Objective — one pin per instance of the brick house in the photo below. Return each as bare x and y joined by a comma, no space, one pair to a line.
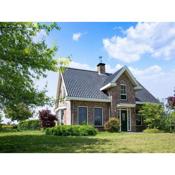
91,97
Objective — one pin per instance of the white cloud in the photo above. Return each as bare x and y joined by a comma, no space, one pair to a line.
156,80
76,36
155,39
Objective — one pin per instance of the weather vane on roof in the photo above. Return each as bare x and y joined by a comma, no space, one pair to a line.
100,59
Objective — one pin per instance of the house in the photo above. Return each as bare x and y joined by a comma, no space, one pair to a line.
92,97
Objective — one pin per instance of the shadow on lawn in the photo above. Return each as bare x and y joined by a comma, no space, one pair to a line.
49,144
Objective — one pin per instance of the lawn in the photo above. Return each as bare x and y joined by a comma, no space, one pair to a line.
37,142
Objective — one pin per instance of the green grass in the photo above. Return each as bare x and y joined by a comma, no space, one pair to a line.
37,142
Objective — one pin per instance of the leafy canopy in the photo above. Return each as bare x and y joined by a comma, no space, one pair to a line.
24,59
152,114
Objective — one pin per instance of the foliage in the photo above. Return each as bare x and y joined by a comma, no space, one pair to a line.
72,130
47,119
29,125
8,128
152,114
25,58
168,122
113,125
171,102
18,112
153,130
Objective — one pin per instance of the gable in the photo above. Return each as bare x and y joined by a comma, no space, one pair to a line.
113,79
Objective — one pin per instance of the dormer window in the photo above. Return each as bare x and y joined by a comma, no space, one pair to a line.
123,95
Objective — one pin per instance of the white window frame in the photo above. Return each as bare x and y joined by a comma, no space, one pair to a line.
94,117
128,112
123,93
86,115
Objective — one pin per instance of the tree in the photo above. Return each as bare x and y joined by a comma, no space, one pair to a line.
24,59
152,114
47,119
20,112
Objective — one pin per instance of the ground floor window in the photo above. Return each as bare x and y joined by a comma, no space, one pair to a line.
60,116
98,117
82,115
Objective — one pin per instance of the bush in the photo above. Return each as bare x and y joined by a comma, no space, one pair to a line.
29,125
153,130
113,125
152,114
168,122
71,130
8,127
47,119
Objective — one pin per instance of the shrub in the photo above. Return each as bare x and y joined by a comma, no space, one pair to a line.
168,122
8,127
47,119
69,130
152,114
153,130
29,125
113,125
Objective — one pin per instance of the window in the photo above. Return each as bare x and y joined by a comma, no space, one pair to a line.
60,115
82,115
138,119
123,92
98,117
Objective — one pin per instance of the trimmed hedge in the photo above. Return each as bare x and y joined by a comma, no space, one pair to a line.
8,128
154,130
29,125
71,130
113,125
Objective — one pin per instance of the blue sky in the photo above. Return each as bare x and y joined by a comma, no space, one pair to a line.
148,49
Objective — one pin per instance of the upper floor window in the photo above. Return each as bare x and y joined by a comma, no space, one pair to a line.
123,95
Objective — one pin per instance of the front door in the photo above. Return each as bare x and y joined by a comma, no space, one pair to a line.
123,120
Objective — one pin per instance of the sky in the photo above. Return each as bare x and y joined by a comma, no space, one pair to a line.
148,49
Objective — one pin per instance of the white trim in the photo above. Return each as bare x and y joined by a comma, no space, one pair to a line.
130,74
108,86
87,99
78,114
126,105
140,102
64,84
94,117
118,75
61,107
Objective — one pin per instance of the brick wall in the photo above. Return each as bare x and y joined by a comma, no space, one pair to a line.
91,106
115,93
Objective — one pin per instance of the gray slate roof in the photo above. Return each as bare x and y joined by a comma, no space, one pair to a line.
86,84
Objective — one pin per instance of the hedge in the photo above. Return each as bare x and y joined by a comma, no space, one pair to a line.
29,125
71,130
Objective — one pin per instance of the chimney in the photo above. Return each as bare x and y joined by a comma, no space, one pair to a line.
101,68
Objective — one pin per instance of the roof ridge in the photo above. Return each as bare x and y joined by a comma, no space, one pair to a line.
86,70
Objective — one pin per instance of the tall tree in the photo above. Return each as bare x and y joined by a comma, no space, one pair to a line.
23,59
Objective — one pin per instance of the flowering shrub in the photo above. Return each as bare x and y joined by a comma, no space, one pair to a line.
47,119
